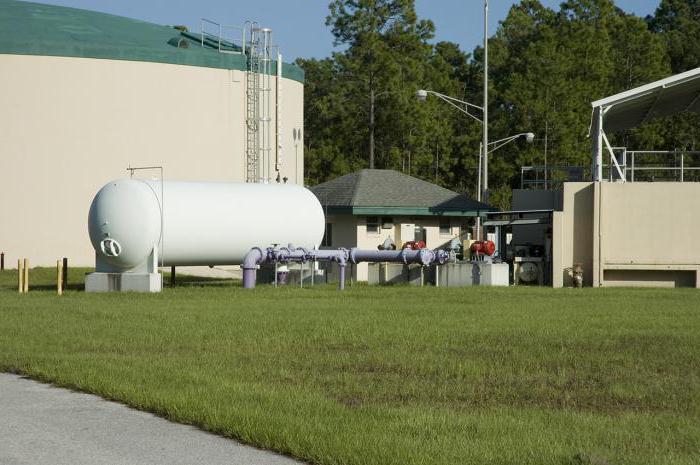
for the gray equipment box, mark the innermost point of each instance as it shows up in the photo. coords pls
(453, 274)
(491, 274)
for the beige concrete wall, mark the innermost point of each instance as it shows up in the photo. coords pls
(629, 234)
(646, 234)
(370, 241)
(572, 234)
(344, 231)
(559, 270)
(69, 125)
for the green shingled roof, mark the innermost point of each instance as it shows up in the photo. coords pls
(38, 29)
(388, 192)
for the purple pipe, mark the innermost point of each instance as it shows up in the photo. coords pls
(339, 256)
(250, 264)
(257, 256)
(341, 277)
(424, 257)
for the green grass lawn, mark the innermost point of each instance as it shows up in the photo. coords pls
(396, 375)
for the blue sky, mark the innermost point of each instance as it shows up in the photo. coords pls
(299, 25)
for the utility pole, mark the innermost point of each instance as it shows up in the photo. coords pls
(546, 147)
(485, 141)
(483, 177)
(372, 98)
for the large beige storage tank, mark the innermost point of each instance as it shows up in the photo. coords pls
(89, 94)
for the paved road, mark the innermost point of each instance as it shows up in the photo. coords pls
(41, 424)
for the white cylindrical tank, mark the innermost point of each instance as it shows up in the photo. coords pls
(202, 223)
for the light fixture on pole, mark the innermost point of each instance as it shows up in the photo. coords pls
(461, 105)
(529, 138)
(464, 107)
(497, 144)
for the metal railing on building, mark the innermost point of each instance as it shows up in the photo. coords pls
(624, 166)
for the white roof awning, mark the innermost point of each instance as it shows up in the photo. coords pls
(666, 97)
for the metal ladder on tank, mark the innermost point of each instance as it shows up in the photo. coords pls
(266, 103)
(256, 45)
(252, 159)
(259, 104)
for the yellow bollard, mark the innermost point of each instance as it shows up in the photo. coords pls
(59, 277)
(26, 276)
(20, 276)
(65, 273)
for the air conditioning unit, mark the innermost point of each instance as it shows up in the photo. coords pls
(528, 271)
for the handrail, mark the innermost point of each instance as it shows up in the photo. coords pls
(220, 39)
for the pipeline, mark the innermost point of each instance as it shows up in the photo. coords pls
(425, 257)
(257, 256)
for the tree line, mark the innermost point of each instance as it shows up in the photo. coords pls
(545, 67)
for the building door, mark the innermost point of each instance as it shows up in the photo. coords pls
(420, 234)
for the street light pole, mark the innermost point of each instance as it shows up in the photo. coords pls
(478, 178)
(485, 118)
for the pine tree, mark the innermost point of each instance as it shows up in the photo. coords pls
(547, 66)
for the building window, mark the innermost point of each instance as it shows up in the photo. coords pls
(372, 225)
(328, 236)
(420, 234)
(387, 222)
(445, 227)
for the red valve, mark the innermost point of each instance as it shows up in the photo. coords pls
(414, 245)
(483, 248)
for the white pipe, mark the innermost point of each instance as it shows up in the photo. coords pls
(278, 124)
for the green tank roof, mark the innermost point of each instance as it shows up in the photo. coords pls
(38, 29)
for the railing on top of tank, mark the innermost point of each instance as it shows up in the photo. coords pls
(217, 38)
